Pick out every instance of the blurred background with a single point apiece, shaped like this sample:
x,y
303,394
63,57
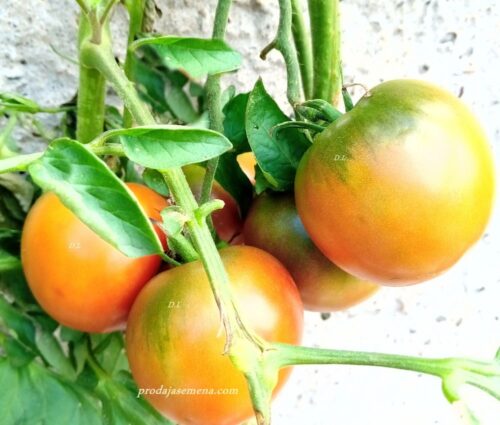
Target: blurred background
x,y
452,43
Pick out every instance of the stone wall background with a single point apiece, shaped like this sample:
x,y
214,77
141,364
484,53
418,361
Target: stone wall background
x,y
452,43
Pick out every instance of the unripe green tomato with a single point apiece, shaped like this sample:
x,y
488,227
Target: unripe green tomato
x,y
273,225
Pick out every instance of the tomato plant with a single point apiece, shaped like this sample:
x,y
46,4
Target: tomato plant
x,y
79,279
397,189
391,190
274,226
174,341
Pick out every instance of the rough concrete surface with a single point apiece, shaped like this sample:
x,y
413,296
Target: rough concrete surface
x,y
452,43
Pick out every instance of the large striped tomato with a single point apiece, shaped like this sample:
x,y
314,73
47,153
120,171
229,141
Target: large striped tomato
x,y
397,189
79,279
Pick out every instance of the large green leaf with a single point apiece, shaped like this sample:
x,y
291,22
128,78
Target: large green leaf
x,y
197,56
88,188
163,146
277,153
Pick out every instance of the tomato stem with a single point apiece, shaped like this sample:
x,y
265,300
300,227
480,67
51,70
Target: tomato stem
x,y
136,11
454,372
214,104
325,30
302,40
91,94
284,43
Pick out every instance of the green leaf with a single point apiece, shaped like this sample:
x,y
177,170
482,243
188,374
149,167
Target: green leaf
x,y
8,261
173,220
122,406
278,154
14,102
17,323
151,86
20,188
53,353
234,122
36,396
110,353
162,147
179,103
18,162
154,179
88,188
197,56
14,284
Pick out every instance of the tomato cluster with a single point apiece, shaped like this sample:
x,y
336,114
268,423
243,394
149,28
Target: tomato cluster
x,y
392,193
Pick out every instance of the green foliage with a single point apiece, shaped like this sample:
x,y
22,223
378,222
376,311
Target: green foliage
x,y
89,188
55,375
163,147
277,153
196,56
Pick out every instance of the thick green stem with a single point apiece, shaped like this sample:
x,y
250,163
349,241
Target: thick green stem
x,y
302,40
326,48
91,94
136,17
91,97
336,78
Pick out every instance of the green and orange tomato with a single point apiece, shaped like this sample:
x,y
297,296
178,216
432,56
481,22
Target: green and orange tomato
x,y
396,190
174,338
273,225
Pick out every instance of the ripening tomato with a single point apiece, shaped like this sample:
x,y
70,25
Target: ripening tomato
x,y
227,221
247,163
174,339
273,225
78,278
396,190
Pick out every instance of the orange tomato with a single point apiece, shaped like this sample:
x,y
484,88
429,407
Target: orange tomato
x,y
396,190
247,164
78,278
174,339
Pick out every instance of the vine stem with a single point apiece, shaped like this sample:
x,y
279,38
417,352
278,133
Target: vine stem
x,y
91,93
284,43
302,41
136,17
213,89
325,32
